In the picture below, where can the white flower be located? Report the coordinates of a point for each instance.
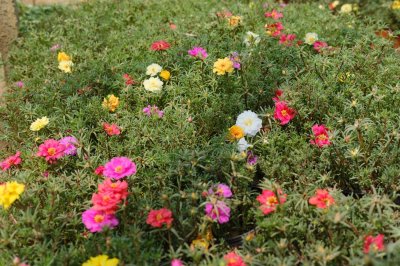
(153, 84)
(65, 66)
(250, 123)
(311, 38)
(153, 69)
(243, 145)
(346, 8)
(251, 38)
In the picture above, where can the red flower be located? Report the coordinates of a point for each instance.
(233, 259)
(278, 93)
(157, 218)
(99, 170)
(322, 199)
(287, 39)
(274, 29)
(106, 201)
(111, 129)
(283, 113)
(119, 188)
(376, 243)
(128, 79)
(321, 136)
(160, 46)
(269, 201)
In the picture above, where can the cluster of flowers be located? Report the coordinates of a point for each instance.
(154, 84)
(312, 39)
(109, 196)
(64, 62)
(52, 149)
(247, 124)
(275, 29)
(216, 208)
(227, 64)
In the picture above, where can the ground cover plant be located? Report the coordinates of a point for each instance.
(202, 133)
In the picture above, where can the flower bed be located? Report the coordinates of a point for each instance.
(201, 133)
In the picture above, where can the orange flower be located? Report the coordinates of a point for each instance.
(235, 133)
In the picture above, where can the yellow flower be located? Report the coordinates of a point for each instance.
(63, 57)
(101, 260)
(396, 4)
(65, 66)
(9, 192)
(111, 102)
(165, 74)
(235, 133)
(234, 21)
(346, 8)
(39, 123)
(222, 66)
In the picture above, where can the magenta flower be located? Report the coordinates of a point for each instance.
(218, 212)
(69, 143)
(20, 84)
(12, 160)
(119, 167)
(251, 158)
(95, 221)
(198, 52)
(319, 46)
(321, 137)
(51, 150)
(220, 190)
(176, 262)
(235, 60)
(287, 39)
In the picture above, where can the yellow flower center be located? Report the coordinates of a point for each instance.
(248, 122)
(272, 200)
(159, 217)
(51, 151)
(113, 185)
(99, 218)
(106, 198)
(284, 112)
(118, 169)
(322, 137)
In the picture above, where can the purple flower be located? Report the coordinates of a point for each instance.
(19, 84)
(55, 47)
(198, 52)
(251, 158)
(235, 60)
(218, 212)
(150, 110)
(220, 190)
(69, 143)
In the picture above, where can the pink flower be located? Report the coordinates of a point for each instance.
(274, 29)
(283, 113)
(106, 201)
(160, 45)
(55, 47)
(321, 136)
(269, 201)
(287, 39)
(95, 220)
(51, 150)
(218, 211)
(119, 188)
(198, 52)
(319, 46)
(128, 79)
(69, 143)
(119, 167)
(172, 26)
(220, 190)
(99, 170)
(176, 262)
(224, 14)
(233, 259)
(157, 218)
(274, 15)
(11, 161)
(111, 129)
(322, 199)
(376, 243)
(20, 84)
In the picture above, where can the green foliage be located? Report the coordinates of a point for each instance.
(352, 88)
